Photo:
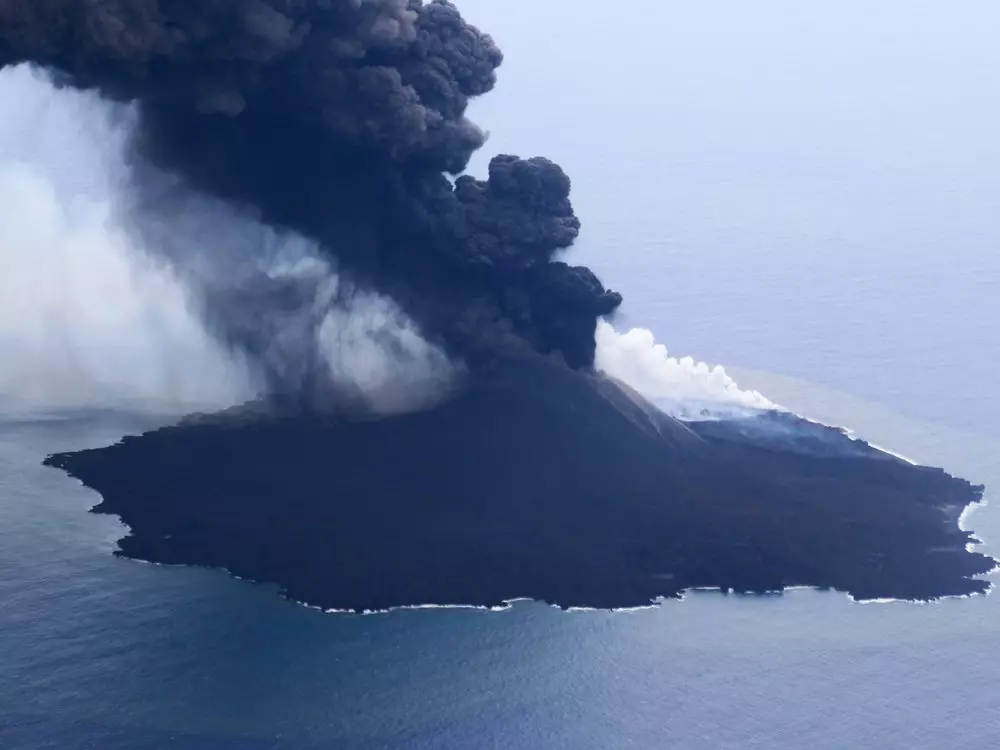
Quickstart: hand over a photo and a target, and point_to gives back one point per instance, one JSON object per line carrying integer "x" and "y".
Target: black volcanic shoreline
{"x": 534, "y": 482}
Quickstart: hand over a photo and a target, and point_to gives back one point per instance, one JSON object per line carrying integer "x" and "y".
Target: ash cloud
{"x": 340, "y": 120}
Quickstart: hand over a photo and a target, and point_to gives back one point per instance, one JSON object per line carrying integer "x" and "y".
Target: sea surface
{"x": 805, "y": 193}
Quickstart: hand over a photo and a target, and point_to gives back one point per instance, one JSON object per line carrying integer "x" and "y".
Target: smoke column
{"x": 292, "y": 177}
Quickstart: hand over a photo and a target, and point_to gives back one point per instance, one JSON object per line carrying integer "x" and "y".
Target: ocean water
{"x": 803, "y": 193}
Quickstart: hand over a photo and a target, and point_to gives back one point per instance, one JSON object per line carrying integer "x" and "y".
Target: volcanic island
{"x": 533, "y": 481}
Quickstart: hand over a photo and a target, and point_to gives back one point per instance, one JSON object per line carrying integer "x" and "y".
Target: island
{"x": 533, "y": 480}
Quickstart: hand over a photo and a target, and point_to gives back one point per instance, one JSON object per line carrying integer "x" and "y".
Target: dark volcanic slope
{"x": 534, "y": 482}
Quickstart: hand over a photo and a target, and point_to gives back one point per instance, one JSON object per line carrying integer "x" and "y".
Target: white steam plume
{"x": 377, "y": 350}
{"x": 86, "y": 320}
{"x": 89, "y": 317}
{"x": 681, "y": 386}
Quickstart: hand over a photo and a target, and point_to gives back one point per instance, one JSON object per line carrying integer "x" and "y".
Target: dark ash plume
{"x": 340, "y": 119}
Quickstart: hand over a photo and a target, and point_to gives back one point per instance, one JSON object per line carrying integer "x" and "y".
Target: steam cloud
{"x": 680, "y": 386}
{"x": 85, "y": 320}
{"x": 89, "y": 317}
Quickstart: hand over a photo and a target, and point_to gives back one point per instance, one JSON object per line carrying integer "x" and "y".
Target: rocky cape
{"x": 533, "y": 481}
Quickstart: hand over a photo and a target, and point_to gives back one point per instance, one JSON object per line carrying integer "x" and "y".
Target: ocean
{"x": 805, "y": 194}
